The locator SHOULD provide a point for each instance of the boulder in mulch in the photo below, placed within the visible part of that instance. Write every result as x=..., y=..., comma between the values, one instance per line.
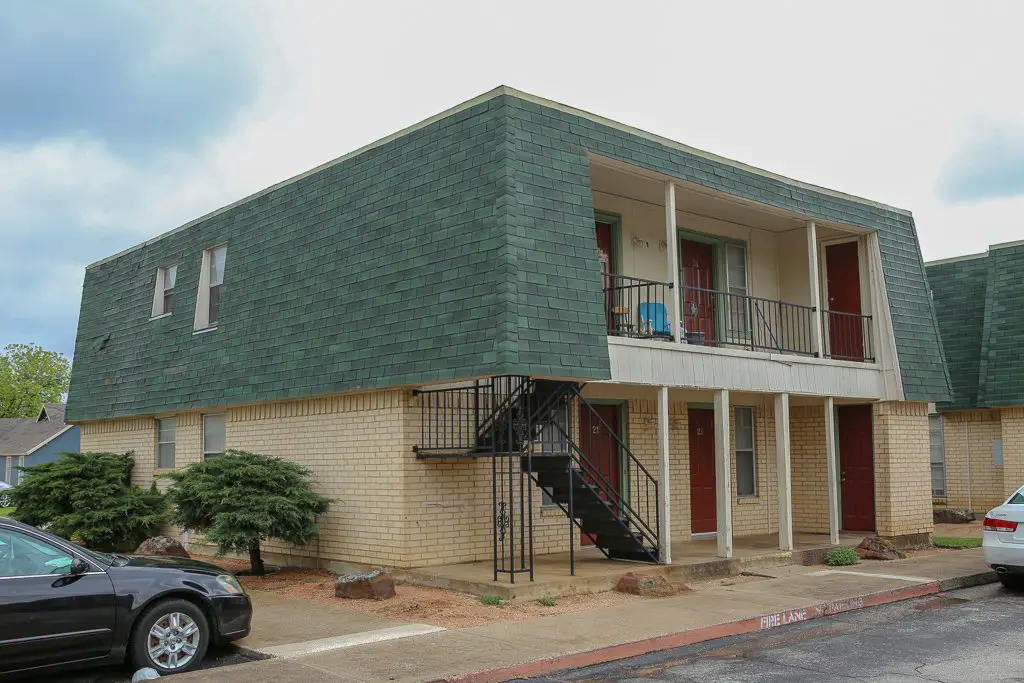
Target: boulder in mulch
x=645, y=585
x=162, y=545
x=373, y=585
x=877, y=548
x=952, y=516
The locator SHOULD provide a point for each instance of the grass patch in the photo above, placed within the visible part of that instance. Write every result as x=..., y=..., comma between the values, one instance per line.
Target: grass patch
x=6, y=512
x=841, y=557
x=492, y=601
x=546, y=601
x=955, y=543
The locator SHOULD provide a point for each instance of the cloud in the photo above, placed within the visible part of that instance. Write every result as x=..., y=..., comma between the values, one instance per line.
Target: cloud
x=139, y=76
x=119, y=111
x=988, y=166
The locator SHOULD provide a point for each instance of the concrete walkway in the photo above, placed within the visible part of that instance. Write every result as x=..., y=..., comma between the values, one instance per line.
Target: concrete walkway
x=503, y=651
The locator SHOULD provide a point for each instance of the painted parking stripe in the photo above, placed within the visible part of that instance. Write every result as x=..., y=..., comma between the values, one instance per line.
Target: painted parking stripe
x=897, y=577
x=309, y=647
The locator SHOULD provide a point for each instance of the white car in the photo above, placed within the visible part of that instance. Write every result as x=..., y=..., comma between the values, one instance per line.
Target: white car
x=1004, y=540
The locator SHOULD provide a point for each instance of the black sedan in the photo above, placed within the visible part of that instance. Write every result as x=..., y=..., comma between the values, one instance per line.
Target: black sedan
x=64, y=606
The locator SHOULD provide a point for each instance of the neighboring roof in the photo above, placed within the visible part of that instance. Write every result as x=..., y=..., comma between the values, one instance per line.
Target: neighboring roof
x=22, y=435
x=53, y=412
x=979, y=302
x=460, y=247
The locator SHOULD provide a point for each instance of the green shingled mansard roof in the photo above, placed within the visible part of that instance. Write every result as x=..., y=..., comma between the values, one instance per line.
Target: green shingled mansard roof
x=460, y=247
x=979, y=303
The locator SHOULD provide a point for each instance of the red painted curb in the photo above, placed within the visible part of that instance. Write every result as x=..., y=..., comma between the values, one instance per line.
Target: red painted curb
x=697, y=635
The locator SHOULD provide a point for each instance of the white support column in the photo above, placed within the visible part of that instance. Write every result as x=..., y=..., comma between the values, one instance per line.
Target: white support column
x=664, y=508
x=723, y=473
x=673, y=261
x=783, y=472
x=833, y=479
x=812, y=262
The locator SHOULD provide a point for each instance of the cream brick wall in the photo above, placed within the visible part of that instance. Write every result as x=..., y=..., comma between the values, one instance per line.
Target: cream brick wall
x=1012, y=429
x=757, y=515
x=120, y=436
x=969, y=436
x=809, y=467
x=643, y=441
x=903, y=502
x=391, y=508
x=354, y=446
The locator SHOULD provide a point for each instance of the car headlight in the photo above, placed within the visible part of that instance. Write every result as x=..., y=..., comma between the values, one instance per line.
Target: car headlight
x=230, y=584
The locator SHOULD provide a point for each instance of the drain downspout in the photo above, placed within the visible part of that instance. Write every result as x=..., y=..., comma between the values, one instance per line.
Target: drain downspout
x=768, y=499
x=970, y=486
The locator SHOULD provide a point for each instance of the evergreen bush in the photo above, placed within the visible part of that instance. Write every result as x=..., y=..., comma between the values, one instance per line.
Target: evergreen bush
x=88, y=498
x=239, y=499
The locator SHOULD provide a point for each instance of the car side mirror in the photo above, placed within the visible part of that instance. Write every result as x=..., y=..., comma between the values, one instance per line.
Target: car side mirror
x=79, y=566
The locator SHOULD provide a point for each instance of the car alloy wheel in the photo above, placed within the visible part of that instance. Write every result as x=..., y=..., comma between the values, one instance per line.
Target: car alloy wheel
x=174, y=641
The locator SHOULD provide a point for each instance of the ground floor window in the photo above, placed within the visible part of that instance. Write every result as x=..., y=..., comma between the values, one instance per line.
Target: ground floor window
x=938, y=455
x=165, y=429
x=214, y=435
x=746, y=462
x=553, y=440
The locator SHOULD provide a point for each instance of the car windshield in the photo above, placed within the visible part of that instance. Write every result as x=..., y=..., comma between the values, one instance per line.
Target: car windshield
x=103, y=558
x=106, y=559
x=1017, y=498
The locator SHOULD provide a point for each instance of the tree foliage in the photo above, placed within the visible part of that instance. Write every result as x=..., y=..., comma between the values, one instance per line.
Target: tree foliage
x=240, y=499
x=29, y=377
x=88, y=498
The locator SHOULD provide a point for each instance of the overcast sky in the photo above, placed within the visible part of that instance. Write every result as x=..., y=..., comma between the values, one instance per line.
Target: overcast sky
x=120, y=120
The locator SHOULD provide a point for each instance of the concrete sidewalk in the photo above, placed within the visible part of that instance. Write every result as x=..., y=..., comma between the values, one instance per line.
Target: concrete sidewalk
x=503, y=651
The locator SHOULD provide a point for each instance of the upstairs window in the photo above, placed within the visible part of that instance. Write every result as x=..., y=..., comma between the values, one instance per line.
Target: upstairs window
x=211, y=279
x=736, y=279
x=163, y=296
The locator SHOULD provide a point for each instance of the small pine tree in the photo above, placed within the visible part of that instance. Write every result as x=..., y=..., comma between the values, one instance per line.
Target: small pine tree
x=240, y=499
x=88, y=498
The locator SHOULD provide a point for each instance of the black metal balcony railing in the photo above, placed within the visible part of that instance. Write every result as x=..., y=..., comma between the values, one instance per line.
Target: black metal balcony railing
x=635, y=307
x=715, y=318
x=847, y=336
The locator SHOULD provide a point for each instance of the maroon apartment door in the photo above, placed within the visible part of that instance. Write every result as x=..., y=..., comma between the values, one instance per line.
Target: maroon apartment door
x=605, y=253
x=698, y=274
x=845, y=332
x=600, y=448
x=703, y=510
x=856, y=468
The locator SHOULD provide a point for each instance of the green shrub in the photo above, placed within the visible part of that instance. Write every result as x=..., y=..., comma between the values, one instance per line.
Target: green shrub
x=492, y=601
x=841, y=557
x=546, y=601
x=239, y=499
x=955, y=543
x=88, y=498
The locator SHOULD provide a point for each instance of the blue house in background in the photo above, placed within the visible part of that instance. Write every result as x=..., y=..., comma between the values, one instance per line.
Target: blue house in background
x=26, y=441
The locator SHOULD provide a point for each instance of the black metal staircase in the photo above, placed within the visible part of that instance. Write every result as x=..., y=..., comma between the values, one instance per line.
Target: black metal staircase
x=530, y=429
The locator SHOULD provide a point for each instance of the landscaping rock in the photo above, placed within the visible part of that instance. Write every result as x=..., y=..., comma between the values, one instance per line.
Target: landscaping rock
x=374, y=585
x=877, y=548
x=645, y=585
x=952, y=516
x=162, y=545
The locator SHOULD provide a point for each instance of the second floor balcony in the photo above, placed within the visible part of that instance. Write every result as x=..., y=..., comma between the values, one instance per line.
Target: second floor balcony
x=729, y=274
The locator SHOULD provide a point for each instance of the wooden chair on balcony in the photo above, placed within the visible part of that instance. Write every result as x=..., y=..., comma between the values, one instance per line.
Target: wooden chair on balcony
x=620, y=321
